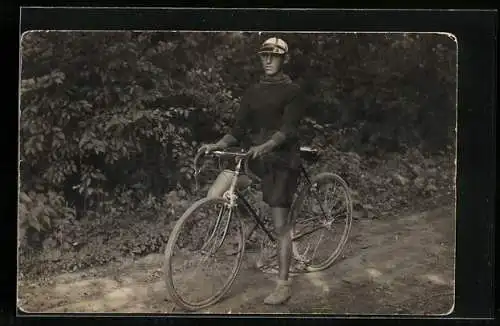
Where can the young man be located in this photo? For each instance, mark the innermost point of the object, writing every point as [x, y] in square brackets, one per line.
[267, 122]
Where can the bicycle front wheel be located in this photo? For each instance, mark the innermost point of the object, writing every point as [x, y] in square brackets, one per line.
[204, 254]
[322, 217]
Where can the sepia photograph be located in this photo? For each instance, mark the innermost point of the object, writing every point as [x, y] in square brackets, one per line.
[237, 172]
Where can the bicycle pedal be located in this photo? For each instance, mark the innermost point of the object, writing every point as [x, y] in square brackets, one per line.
[268, 268]
[296, 269]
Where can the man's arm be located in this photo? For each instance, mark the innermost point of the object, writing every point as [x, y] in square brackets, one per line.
[226, 141]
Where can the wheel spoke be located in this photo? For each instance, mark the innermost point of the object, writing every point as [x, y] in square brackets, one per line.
[326, 195]
[317, 245]
[304, 234]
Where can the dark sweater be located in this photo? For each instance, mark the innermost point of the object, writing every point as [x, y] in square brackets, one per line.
[271, 110]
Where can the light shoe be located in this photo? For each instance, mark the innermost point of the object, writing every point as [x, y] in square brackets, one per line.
[281, 293]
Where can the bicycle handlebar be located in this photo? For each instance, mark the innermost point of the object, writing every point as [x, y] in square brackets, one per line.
[243, 156]
[238, 155]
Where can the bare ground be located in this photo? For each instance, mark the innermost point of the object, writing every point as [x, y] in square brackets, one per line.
[395, 265]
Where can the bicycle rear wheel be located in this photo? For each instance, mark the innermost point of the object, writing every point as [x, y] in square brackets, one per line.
[322, 218]
[204, 254]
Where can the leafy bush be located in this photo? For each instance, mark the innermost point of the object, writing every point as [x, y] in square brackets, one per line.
[38, 213]
[110, 119]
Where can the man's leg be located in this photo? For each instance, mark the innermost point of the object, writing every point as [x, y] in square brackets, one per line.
[283, 290]
[281, 225]
[278, 189]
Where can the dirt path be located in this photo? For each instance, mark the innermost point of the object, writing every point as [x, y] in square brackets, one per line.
[395, 265]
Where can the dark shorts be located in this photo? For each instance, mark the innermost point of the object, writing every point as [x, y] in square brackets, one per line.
[279, 181]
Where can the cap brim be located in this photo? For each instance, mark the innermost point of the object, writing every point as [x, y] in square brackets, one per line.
[271, 51]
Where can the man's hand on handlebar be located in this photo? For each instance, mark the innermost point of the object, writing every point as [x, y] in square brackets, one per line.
[207, 148]
[225, 142]
[219, 151]
[260, 150]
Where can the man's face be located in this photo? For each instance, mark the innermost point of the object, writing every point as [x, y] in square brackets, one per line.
[271, 63]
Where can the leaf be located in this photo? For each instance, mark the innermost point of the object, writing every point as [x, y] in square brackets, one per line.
[83, 140]
[25, 197]
[137, 115]
[100, 176]
[22, 212]
[34, 223]
[37, 210]
[51, 211]
[46, 220]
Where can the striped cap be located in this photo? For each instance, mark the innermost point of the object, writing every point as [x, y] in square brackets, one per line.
[274, 45]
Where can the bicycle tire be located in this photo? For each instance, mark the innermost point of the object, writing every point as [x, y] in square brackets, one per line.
[322, 177]
[174, 295]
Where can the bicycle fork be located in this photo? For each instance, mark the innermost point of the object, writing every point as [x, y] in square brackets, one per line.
[231, 196]
[215, 228]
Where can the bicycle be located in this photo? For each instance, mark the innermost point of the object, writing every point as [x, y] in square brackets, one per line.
[224, 228]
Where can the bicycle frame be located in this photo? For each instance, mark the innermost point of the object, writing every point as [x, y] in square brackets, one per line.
[255, 216]
[242, 199]
[236, 197]
[309, 183]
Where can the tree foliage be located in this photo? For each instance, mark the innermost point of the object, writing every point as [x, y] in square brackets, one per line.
[105, 114]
